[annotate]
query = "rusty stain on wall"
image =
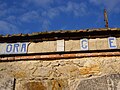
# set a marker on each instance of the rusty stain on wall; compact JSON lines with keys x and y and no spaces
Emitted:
{"x":35,"y":86}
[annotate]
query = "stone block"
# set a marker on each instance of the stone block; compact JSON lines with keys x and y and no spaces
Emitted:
{"x":42,"y":72}
{"x":93,"y":70}
{"x":34,"y":86}
{"x":92,"y":44}
{"x":72,"y":45}
{"x":41,"y":47}
{"x":29,"y":85}
{"x":106,"y":82}
{"x":6,"y":82}
{"x":102,"y":44}
{"x":56,"y":84}
{"x":118,"y":43}
{"x":68,"y":71}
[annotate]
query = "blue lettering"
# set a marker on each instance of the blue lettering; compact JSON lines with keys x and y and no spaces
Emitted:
{"x":112,"y":42}
{"x":16,"y":48}
{"x":23,"y":48}
{"x":84,"y":44}
{"x":9,"y":48}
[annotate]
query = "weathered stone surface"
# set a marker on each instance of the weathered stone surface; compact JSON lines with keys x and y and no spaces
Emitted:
{"x":67,"y":71}
{"x":34,"y":86}
{"x":46,"y":46}
{"x":72,"y":45}
{"x":6,"y":82}
{"x":58,"y":84}
{"x":92,"y":44}
{"x":102,"y":44}
{"x":91,"y":67}
{"x":106,"y":82}
{"x":90,"y":70}
{"x":43,"y":71}
{"x":118,"y":42}
{"x":83,"y":66}
{"x":46,"y":63}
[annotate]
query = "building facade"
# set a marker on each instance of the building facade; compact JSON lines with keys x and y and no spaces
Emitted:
{"x":61,"y":60}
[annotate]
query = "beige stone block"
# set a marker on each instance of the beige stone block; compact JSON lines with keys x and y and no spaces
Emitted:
{"x":91,"y":67}
{"x":42,"y":72}
{"x":46,"y":63}
{"x":102,"y":44}
{"x":72,"y":45}
{"x":90,"y":70}
{"x":30,"y":85}
{"x":46,"y":46}
{"x":111,"y":68}
{"x":92,"y":44}
{"x":57,"y":84}
{"x":118,"y":43}
{"x":68,"y":71}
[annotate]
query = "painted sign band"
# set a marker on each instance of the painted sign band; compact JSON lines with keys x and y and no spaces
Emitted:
{"x":13,"y":48}
{"x":22,"y":48}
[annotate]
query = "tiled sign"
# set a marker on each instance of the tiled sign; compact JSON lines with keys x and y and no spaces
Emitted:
{"x":112,"y":43}
{"x":13,"y":48}
{"x":84,"y":44}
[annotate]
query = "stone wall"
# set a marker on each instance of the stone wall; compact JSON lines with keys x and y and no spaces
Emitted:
{"x":88,"y":73}
{"x":93,"y":73}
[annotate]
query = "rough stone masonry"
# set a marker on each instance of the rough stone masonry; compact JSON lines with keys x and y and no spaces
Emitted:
{"x":95,"y":70}
{"x":95,"y":73}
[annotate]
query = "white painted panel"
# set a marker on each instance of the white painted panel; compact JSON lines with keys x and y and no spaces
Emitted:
{"x":13,"y":48}
{"x":60,"y":45}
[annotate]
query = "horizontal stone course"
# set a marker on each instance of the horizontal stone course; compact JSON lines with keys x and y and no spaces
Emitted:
{"x":72,"y":45}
